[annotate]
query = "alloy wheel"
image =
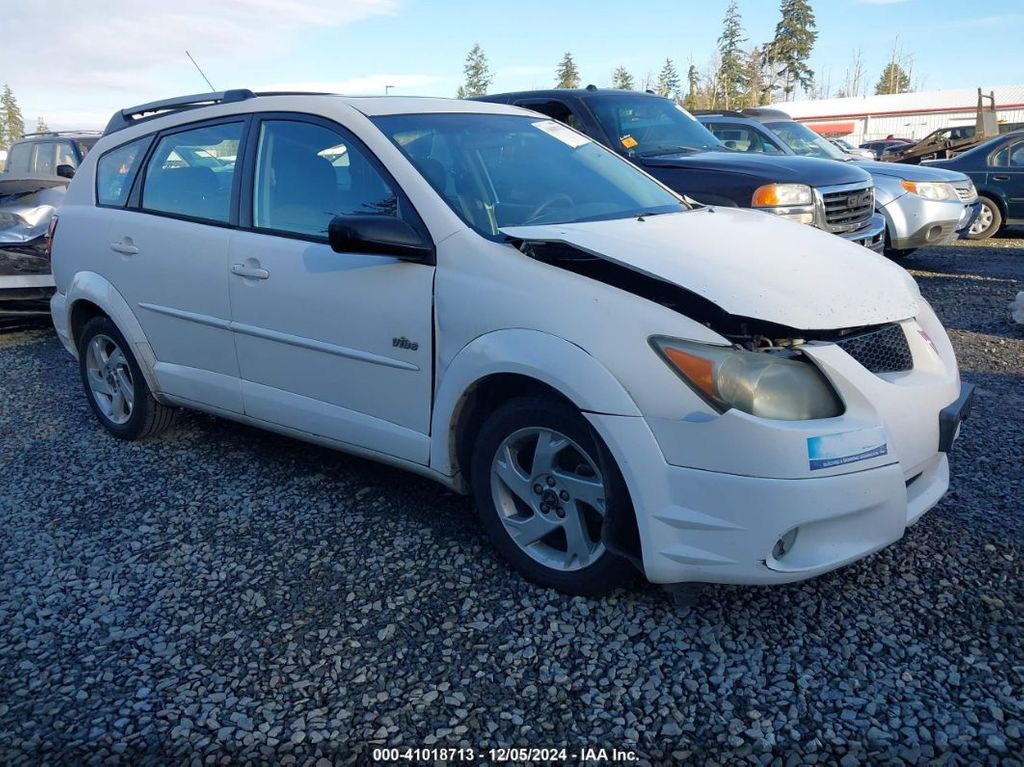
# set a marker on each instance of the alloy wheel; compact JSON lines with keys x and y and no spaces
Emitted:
{"x":110,"y":379}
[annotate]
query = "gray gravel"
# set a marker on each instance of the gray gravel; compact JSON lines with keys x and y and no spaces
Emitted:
{"x":224,"y":593}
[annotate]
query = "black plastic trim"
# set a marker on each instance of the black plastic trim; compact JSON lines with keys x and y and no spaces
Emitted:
{"x":951,"y":416}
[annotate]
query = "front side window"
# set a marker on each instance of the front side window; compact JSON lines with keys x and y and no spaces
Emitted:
{"x":499,"y":171}
{"x":743,"y":138}
{"x":649,"y":126}
{"x":42,"y":159}
{"x":1010,"y":156}
{"x":190,"y":173}
{"x":66,"y":154}
{"x":307,"y":174}
{"x":116,"y":170}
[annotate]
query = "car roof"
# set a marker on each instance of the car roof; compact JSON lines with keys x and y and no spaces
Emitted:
{"x":560,"y":93}
{"x":52,"y":135}
{"x":202,"y":105}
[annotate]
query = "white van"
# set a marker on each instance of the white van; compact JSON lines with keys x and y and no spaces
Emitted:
{"x":489,"y":298}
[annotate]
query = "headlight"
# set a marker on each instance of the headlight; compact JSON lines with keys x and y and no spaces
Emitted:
{"x":792,"y":201}
{"x":776,"y":195}
{"x":765,"y":384}
{"x":932,"y":190}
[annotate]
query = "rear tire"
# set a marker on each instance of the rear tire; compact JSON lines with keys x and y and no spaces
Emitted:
{"x":988,"y":222}
{"x":114,"y":384}
{"x":542,"y":498}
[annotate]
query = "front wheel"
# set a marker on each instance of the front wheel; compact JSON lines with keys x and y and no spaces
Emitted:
{"x":542,"y":497}
{"x":114,"y":384}
{"x":988,"y":222}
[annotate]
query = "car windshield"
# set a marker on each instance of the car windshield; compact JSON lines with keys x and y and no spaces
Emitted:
{"x":806,"y":142}
{"x":498,"y":171}
{"x":650,"y":125}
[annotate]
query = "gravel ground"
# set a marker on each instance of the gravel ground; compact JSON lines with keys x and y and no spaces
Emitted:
{"x":224,"y":594}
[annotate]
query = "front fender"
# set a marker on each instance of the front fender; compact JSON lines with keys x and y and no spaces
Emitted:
{"x":91,"y":287}
{"x":549,"y":359}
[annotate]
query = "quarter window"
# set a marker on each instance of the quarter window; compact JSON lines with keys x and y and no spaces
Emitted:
{"x":307,"y":174}
{"x":116,"y":171}
{"x":1011,"y":156}
{"x":190,"y":173}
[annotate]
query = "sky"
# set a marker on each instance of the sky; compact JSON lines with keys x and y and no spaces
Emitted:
{"x":74,"y":63}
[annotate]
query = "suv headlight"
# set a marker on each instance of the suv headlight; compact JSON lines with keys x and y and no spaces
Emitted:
{"x":781,"y":386}
{"x":792,"y":201}
{"x":932,"y":190}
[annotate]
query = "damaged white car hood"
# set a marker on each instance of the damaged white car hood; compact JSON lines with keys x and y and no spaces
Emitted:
{"x":750,"y":264}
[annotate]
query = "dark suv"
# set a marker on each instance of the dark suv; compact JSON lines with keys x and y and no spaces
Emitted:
{"x":667,"y":142}
{"x":54,"y":153}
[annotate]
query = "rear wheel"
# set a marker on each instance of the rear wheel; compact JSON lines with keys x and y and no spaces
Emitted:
{"x":542,"y":497}
{"x":115,"y":386}
{"x":988,"y":222}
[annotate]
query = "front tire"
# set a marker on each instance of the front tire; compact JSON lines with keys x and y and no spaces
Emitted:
{"x":542,"y":497}
{"x":988,"y":222}
{"x":114,"y":384}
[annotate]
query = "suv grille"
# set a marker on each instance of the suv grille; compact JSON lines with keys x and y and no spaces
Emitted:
{"x":965,"y":191}
{"x":884,"y":350}
{"x":850,"y":208}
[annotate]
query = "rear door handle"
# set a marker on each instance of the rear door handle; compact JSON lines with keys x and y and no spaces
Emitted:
{"x":124,"y":247}
{"x":252,"y":272}
{"x":1000,"y":177}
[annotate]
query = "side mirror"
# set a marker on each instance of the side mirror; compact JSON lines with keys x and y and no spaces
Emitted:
{"x":66,"y":171}
{"x":378,"y":236}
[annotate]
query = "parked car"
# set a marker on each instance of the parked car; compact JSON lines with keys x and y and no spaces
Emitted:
{"x":31,"y":188}
{"x":945,"y":143}
{"x":664,"y":140}
{"x":845,"y":146}
{"x":490,"y":298}
{"x":997,"y":170}
{"x":920,"y":207}
{"x":878,"y":146}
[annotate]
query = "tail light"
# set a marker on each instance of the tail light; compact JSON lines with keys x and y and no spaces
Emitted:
{"x":50,"y":234}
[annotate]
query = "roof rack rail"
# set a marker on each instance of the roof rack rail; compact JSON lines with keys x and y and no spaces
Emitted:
{"x":722,"y":112}
{"x":61,"y":133}
{"x":126,"y":117}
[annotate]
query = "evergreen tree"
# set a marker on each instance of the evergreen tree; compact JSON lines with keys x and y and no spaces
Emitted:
{"x":668,"y":81}
{"x":732,"y":71}
{"x":41,"y":126}
{"x":894,"y":79}
{"x":568,"y":76}
{"x":621,"y":78}
{"x":478,"y":74}
{"x":754,"y":93}
{"x":692,"y":100}
{"x":785,"y":57}
{"x":12,"y":123}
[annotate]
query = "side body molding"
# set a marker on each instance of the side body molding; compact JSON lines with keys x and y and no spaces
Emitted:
{"x":549,"y":359}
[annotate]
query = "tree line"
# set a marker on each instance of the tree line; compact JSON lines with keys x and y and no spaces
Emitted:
{"x":12,"y":122}
{"x":738,"y":75}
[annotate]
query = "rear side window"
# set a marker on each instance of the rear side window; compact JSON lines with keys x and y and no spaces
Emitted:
{"x":42,"y":159}
{"x":116,"y":171}
{"x":191,"y":173}
{"x":19,"y":157}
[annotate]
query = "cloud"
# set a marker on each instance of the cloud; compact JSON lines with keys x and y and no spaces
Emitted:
{"x":76,"y":56}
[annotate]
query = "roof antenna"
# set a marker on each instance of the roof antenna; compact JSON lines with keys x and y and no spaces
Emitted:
{"x":200,"y":70}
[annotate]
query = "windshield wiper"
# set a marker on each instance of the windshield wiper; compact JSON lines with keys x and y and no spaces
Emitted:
{"x":671,"y":150}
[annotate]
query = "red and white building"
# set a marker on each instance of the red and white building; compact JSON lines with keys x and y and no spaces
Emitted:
{"x":904,"y":115}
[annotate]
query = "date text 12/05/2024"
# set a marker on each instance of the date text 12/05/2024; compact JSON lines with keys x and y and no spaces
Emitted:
{"x":499,"y":755}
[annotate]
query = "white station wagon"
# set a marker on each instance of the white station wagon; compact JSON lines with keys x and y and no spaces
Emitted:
{"x":486,"y":297}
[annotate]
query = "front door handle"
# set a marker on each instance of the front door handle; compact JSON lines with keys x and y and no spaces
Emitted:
{"x":124,"y":247}
{"x":252,"y":272}
{"x":1000,"y":177}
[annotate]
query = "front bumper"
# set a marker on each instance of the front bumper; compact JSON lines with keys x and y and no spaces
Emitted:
{"x":916,"y":222}
{"x":871,"y":236}
{"x":26,"y":283}
{"x":718,"y":499}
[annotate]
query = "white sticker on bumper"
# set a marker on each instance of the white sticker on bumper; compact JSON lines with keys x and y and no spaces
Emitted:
{"x":831,"y":450}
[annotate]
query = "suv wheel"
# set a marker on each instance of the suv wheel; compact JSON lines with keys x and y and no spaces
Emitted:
{"x":988,"y":222}
{"x":114,"y":384}
{"x":542,"y":497}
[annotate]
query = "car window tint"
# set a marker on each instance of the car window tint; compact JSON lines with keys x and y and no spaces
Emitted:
{"x":1017,"y":155}
{"x":307,"y":174}
{"x":42,"y":159}
{"x":556,"y":110}
{"x":1010,"y":156}
{"x":116,"y":170}
{"x":66,"y":154}
{"x":190,"y":173}
{"x":19,"y":158}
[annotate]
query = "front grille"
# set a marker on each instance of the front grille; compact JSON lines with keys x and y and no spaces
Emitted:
{"x":850,"y":208}
{"x":884,"y":350}
{"x":965,"y":191}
